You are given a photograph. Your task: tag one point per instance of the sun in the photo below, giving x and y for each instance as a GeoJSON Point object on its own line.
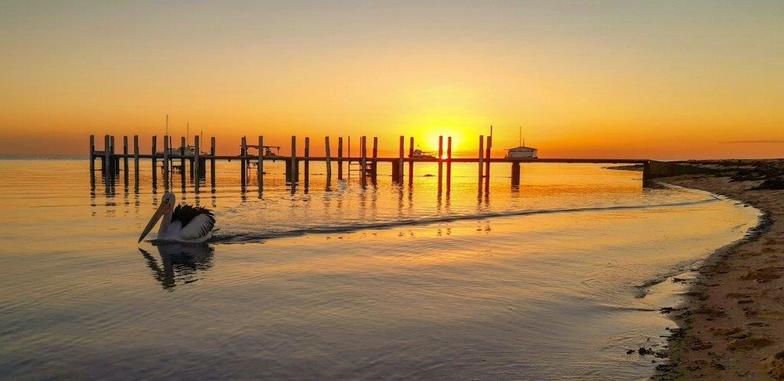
{"type": "Point", "coordinates": [444, 156]}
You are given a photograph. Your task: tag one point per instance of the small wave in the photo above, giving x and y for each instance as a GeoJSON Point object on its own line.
{"type": "Point", "coordinates": [332, 229]}
{"type": "Point", "coordinates": [642, 289]}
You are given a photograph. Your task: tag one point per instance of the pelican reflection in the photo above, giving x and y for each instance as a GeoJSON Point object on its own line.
{"type": "Point", "coordinates": [179, 263]}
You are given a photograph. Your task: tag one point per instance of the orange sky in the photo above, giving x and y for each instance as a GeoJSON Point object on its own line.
{"type": "Point", "coordinates": [592, 79]}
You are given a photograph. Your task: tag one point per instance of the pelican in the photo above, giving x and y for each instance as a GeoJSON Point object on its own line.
{"type": "Point", "coordinates": [185, 223]}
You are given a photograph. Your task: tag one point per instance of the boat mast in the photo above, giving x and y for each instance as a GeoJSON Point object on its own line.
{"type": "Point", "coordinates": [520, 138]}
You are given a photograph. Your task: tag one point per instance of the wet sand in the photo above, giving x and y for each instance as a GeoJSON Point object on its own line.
{"type": "Point", "coordinates": [732, 323]}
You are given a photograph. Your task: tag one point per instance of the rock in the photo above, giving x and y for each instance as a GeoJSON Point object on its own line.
{"type": "Point", "coordinates": [748, 343]}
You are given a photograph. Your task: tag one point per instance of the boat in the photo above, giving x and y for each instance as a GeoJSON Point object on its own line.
{"type": "Point", "coordinates": [419, 154]}
{"type": "Point", "coordinates": [521, 152]}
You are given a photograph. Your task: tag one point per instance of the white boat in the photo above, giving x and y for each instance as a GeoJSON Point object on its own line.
{"type": "Point", "coordinates": [522, 152]}
{"type": "Point", "coordinates": [419, 154]}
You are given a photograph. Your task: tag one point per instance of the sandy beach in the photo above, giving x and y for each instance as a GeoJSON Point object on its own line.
{"type": "Point", "coordinates": [732, 323]}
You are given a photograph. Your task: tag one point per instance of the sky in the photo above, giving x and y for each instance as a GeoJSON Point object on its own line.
{"type": "Point", "coordinates": [620, 79]}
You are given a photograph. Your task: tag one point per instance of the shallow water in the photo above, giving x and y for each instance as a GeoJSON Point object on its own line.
{"type": "Point", "coordinates": [382, 282]}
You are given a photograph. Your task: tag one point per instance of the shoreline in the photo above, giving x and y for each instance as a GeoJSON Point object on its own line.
{"type": "Point", "coordinates": [731, 322]}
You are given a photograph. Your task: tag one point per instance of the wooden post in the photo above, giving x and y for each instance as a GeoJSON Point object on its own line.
{"type": "Point", "coordinates": [114, 161]}
{"type": "Point", "coordinates": [293, 177]}
{"type": "Point", "coordinates": [166, 161]}
{"type": "Point", "coordinates": [92, 155]}
{"type": "Point", "coordinates": [448, 163]}
{"type": "Point", "coordinates": [260, 164]}
{"type": "Point", "coordinates": [307, 161]}
{"type": "Point", "coordinates": [243, 150]}
{"type": "Point", "coordinates": [400, 157]}
{"type": "Point", "coordinates": [154, 160]}
{"type": "Point", "coordinates": [363, 159]}
{"type": "Point", "coordinates": [516, 175]}
{"type": "Point", "coordinates": [327, 160]}
{"type": "Point", "coordinates": [182, 161]}
{"type": "Point", "coordinates": [182, 155]}
{"type": "Point", "coordinates": [125, 156]}
{"type": "Point", "coordinates": [212, 161]}
{"type": "Point", "coordinates": [196, 148]}
{"type": "Point", "coordinates": [440, 160]}
{"type": "Point", "coordinates": [374, 165]}
{"type": "Point", "coordinates": [340, 158]}
{"type": "Point", "coordinates": [481, 155]}
{"type": "Point", "coordinates": [395, 171]}
{"type": "Point", "coordinates": [487, 161]}
{"type": "Point", "coordinates": [136, 156]}
{"type": "Point", "coordinates": [411, 161]}
{"type": "Point", "coordinates": [106, 161]}
{"type": "Point", "coordinates": [105, 157]}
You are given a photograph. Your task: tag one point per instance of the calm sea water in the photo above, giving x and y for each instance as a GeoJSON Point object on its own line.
{"type": "Point", "coordinates": [548, 281]}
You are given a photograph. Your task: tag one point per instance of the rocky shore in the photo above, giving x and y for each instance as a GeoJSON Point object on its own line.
{"type": "Point", "coordinates": [732, 323]}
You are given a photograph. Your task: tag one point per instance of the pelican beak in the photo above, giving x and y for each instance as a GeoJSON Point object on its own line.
{"type": "Point", "coordinates": [153, 220]}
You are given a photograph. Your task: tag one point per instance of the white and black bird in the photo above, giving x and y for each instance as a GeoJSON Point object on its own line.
{"type": "Point", "coordinates": [183, 223]}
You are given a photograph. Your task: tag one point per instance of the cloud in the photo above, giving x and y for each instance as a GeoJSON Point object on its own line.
{"type": "Point", "coordinates": [770, 141]}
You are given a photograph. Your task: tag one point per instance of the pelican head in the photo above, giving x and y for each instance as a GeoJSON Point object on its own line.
{"type": "Point", "coordinates": [165, 209]}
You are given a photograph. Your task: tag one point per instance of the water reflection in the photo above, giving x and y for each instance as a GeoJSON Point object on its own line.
{"type": "Point", "coordinates": [179, 263]}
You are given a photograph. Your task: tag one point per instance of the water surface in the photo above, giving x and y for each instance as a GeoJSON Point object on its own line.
{"type": "Point", "coordinates": [343, 282]}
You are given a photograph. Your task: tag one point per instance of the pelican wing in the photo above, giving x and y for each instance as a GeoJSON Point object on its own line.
{"type": "Point", "coordinates": [197, 223]}
{"type": "Point", "coordinates": [199, 227]}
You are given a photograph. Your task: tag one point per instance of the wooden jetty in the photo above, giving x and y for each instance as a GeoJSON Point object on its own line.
{"type": "Point", "coordinates": [176, 160]}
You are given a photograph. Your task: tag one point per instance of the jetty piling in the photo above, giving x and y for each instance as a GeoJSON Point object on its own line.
{"type": "Point", "coordinates": [243, 165]}
{"type": "Point", "coordinates": [480, 160]}
{"type": "Point", "coordinates": [363, 160]}
{"type": "Point", "coordinates": [448, 163]}
{"type": "Point", "coordinates": [397, 166]}
{"type": "Point", "coordinates": [348, 157]}
{"type": "Point", "coordinates": [153, 157]}
{"type": "Point", "coordinates": [92, 154]}
{"type": "Point", "coordinates": [196, 163]}
{"type": "Point", "coordinates": [166, 145]}
{"type": "Point", "coordinates": [340, 158]}
{"type": "Point", "coordinates": [105, 158]}
{"type": "Point", "coordinates": [374, 165]}
{"type": "Point", "coordinates": [291, 167]}
{"type": "Point", "coordinates": [306, 162]}
{"type": "Point", "coordinates": [327, 160]}
{"type": "Point", "coordinates": [260, 164]}
{"type": "Point", "coordinates": [401, 158]}
{"type": "Point", "coordinates": [136, 156]}
{"type": "Point", "coordinates": [125, 157]}
{"type": "Point", "coordinates": [411, 161]}
{"type": "Point", "coordinates": [440, 161]}
{"type": "Point", "coordinates": [488, 155]}
{"type": "Point", "coordinates": [183, 142]}
{"type": "Point", "coordinates": [114, 161]}
{"type": "Point", "coordinates": [212, 161]}
{"type": "Point", "coordinates": [516, 175]}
